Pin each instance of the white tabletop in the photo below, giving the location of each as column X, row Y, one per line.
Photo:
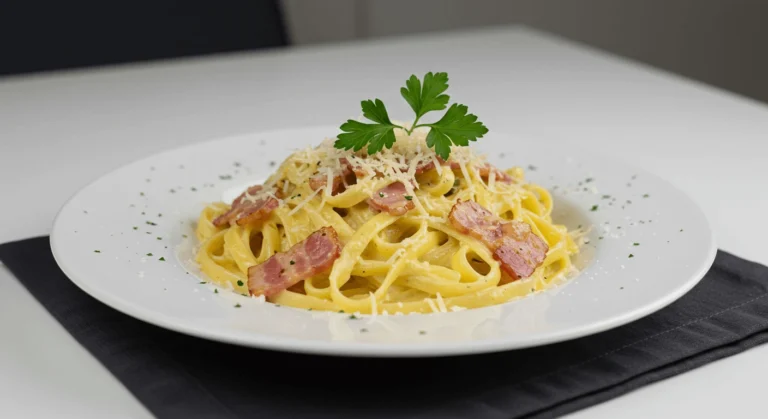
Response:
column 58, row 132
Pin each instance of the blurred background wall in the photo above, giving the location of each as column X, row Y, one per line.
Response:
column 719, row 42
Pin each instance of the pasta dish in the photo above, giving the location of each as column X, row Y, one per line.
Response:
column 401, row 230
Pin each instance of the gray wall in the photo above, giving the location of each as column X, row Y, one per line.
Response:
column 719, row 42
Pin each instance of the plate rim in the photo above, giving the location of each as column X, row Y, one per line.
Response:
column 366, row 349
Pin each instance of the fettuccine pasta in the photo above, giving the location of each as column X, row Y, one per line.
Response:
column 414, row 262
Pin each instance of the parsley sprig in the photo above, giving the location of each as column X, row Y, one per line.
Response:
column 456, row 127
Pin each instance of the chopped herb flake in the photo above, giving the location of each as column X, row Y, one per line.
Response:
column 159, row 238
column 162, row 259
column 151, row 223
column 237, row 305
column 646, row 196
column 149, row 254
column 631, row 255
column 635, row 244
column 422, row 332
column 141, row 193
column 135, row 228
column 215, row 290
column 203, row 282
column 408, row 197
column 363, row 330
column 594, row 208
column 381, row 194
column 239, row 283
column 606, row 197
column 353, row 317
column 532, row 167
column 97, row 251
column 292, row 262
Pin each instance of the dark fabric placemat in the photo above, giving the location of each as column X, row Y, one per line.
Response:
column 178, row 376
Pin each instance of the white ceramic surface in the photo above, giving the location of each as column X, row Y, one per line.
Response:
column 110, row 238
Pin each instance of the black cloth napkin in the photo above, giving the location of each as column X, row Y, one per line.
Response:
column 178, row 376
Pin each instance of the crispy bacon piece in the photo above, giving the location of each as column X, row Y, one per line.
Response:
column 357, row 170
column 425, row 166
column 313, row 255
column 485, row 172
column 245, row 211
column 321, row 178
column 519, row 250
column 392, row 199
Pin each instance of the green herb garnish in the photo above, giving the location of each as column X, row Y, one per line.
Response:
column 408, row 198
column 97, row 251
column 456, row 127
column 237, row 305
column 239, row 283
column 162, row 259
column 594, row 208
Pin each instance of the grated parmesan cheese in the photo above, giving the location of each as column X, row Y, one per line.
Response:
column 441, row 303
column 432, row 305
column 306, row 201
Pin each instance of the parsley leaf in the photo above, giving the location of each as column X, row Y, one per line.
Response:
column 428, row 96
column 357, row 134
column 455, row 127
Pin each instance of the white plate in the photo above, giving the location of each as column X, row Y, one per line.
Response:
column 112, row 216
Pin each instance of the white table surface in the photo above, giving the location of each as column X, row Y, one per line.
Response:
column 58, row 132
